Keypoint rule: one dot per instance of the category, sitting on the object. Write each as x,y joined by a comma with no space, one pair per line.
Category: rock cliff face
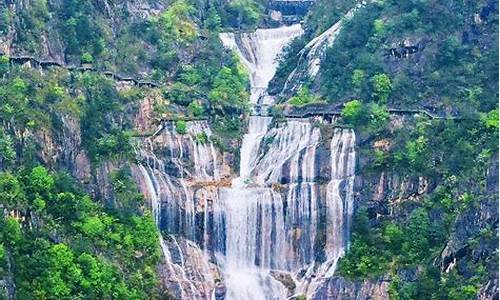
273,223
46,41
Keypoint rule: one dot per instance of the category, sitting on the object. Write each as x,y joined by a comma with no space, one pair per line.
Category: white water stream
276,216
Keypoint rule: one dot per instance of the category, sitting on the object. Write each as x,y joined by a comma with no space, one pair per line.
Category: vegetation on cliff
73,247
454,70
61,237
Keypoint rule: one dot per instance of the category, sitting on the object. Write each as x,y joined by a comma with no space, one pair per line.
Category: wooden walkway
45,64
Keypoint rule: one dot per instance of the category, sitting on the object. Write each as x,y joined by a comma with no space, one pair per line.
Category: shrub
353,112
382,87
303,97
196,109
4,64
87,58
181,127
358,77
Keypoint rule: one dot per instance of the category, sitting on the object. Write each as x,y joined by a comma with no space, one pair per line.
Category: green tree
416,243
244,13
87,58
40,182
93,226
353,112
11,232
379,116
358,78
229,89
213,21
393,236
490,119
7,152
11,194
176,22
195,109
181,126
4,64
382,87
303,96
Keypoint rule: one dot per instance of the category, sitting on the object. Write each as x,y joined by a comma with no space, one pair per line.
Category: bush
87,58
243,13
176,22
229,89
4,64
353,112
202,138
181,126
196,109
303,97
382,87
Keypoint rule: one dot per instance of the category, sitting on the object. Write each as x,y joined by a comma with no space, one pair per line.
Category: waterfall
258,52
289,210
180,207
272,211
340,205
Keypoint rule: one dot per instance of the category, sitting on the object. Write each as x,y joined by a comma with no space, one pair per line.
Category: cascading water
273,209
288,212
178,206
253,214
258,52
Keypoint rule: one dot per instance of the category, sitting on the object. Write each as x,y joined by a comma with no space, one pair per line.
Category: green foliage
181,127
103,138
490,119
76,249
353,112
303,97
382,87
182,94
196,109
229,89
213,21
87,58
358,78
373,249
11,194
459,74
128,199
7,152
5,19
176,22
11,232
4,64
80,29
243,13
379,116
202,138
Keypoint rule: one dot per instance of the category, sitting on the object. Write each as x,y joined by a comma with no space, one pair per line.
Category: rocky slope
278,207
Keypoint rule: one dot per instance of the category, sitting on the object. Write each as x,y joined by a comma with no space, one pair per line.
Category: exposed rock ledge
339,288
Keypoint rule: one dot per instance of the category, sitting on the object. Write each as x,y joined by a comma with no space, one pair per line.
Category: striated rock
286,279
338,288
186,272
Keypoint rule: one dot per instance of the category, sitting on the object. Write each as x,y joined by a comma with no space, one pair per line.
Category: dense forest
76,223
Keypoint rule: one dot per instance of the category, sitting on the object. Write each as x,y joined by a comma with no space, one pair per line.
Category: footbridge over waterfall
291,7
292,11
